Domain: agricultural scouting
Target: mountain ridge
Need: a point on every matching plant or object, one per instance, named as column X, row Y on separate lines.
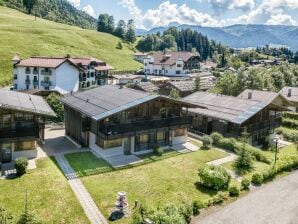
column 243, row 36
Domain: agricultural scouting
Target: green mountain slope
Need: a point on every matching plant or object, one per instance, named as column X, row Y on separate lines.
column 56, row 10
column 21, row 34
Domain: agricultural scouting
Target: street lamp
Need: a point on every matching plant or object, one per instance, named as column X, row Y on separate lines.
column 276, row 149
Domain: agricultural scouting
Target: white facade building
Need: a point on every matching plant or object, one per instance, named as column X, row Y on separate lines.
column 61, row 74
column 171, row 64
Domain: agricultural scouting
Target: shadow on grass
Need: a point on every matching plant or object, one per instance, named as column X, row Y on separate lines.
column 205, row 190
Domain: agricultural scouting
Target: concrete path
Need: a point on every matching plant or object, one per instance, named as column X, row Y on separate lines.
column 273, row 203
column 81, row 193
column 185, row 147
column 229, row 158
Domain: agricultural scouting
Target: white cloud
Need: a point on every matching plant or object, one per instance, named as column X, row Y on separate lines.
column 266, row 12
column 89, row 10
column 75, row 3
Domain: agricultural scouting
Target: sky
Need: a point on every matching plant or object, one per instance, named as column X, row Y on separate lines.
column 148, row 14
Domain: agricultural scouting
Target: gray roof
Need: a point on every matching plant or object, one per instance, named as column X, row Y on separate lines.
column 24, row 102
column 223, row 107
column 147, row 87
column 189, row 85
column 294, row 94
column 102, row 102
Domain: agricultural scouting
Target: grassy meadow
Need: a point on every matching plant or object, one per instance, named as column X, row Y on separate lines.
column 23, row 35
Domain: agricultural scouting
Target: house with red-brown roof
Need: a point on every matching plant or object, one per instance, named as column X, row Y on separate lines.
column 60, row 74
column 170, row 63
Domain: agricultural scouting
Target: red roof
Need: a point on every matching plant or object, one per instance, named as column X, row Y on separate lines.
column 170, row 58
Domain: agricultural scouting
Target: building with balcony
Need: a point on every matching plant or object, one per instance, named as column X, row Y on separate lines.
column 257, row 112
column 21, row 124
column 60, row 74
column 115, row 120
column 171, row 64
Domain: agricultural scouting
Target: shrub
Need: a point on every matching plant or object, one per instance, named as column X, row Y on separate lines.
column 291, row 115
column 54, row 101
column 21, row 164
column 219, row 198
column 196, row 206
column 5, row 217
column 216, row 137
column 207, row 141
column 291, row 123
column 158, row 151
column 257, row 178
column 214, row 177
column 244, row 162
column 245, row 183
column 228, row 144
column 288, row 134
column 234, row 190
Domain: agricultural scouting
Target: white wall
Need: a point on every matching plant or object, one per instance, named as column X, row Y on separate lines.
column 67, row 77
column 171, row 69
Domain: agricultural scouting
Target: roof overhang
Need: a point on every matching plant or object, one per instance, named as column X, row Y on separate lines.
column 22, row 109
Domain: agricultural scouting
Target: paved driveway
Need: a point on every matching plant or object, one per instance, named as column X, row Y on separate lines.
column 274, row 203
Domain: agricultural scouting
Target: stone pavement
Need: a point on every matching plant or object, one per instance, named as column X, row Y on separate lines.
column 80, row 191
column 231, row 157
column 122, row 160
column 185, row 147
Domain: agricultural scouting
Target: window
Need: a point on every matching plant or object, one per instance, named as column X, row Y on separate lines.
column 144, row 139
column 179, row 65
column 27, row 86
column 5, row 121
column 180, row 132
column 15, row 77
column 15, row 86
column 27, row 71
column 106, row 144
column 161, row 136
column 24, row 145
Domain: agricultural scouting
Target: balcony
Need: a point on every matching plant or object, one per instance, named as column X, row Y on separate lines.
column 46, row 84
column 35, row 82
column 45, row 72
column 113, row 129
column 27, row 129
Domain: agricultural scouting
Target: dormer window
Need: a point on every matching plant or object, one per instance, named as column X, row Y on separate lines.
column 28, row 70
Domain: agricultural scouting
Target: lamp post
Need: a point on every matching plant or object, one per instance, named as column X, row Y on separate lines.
column 276, row 150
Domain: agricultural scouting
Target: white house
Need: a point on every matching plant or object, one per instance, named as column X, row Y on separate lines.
column 61, row 74
column 139, row 56
column 171, row 64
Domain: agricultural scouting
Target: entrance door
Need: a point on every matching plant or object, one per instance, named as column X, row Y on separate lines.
column 127, row 144
column 6, row 153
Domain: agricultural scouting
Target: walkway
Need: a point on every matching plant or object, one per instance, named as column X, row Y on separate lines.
column 273, row 203
column 81, row 193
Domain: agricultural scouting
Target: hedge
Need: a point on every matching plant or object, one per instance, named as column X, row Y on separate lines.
column 291, row 115
column 287, row 133
column 290, row 123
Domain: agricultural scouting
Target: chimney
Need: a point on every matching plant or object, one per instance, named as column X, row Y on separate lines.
column 249, row 95
column 289, row 92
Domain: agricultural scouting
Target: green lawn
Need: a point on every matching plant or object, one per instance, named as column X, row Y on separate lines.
column 49, row 195
column 21, row 34
column 260, row 166
column 170, row 180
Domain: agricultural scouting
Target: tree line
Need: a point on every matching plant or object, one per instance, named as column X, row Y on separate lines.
column 126, row 31
column 181, row 40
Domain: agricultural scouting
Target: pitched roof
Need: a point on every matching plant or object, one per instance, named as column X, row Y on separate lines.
column 189, row 85
column 147, row 87
column 223, row 107
column 170, row 58
column 294, row 93
column 24, row 102
column 101, row 102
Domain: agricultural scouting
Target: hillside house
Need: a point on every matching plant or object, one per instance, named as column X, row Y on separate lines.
column 140, row 57
column 22, row 119
column 114, row 120
column 171, row 63
column 60, row 74
column 230, row 115
column 291, row 93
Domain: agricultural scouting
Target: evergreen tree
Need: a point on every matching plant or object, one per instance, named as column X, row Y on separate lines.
column 29, row 5
column 119, row 45
column 28, row 217
column 105, row 23
column 174, row 94
column 5, row 217
column 198, row 84
column 120, row 29
column 130, row 35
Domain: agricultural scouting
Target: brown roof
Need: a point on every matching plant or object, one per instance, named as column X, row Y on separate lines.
column 294, row 93
column 170, row 58
column 147, row 87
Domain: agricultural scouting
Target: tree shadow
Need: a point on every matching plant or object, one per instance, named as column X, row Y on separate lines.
column 205, row 190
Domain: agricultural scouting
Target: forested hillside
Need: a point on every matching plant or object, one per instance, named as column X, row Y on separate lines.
column 55, row 10
column 23, row 35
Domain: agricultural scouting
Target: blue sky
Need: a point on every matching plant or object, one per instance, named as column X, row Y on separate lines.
column 151, row 13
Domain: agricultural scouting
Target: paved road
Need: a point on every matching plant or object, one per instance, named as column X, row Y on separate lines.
column 274, row 203
column 80, row 191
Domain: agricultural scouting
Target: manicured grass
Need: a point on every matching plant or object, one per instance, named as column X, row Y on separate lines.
column 260, row 166
column 85, row 163
column 49, row 195
column 171, row 180
column 21, row 34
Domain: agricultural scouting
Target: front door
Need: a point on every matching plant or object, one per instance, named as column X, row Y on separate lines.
column 6, row 153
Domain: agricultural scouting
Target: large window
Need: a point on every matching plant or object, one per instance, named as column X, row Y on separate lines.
column 5, row 121
column 24, row 145
column 180, row 132
column 106, row 144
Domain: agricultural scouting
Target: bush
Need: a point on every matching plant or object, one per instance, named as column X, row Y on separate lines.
column 196, row 206
column 207, row 141
column 219, row 198
column 290, row 123
column 244, row 162
column 288, row 134
column 214, row 177
column 216, row 137
column 245, row 183
column 228, row 144
column 257, row 178
column 21, row 164
column 291, row 115
column 54, row 101
column 158, row 151
column 234, row 190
